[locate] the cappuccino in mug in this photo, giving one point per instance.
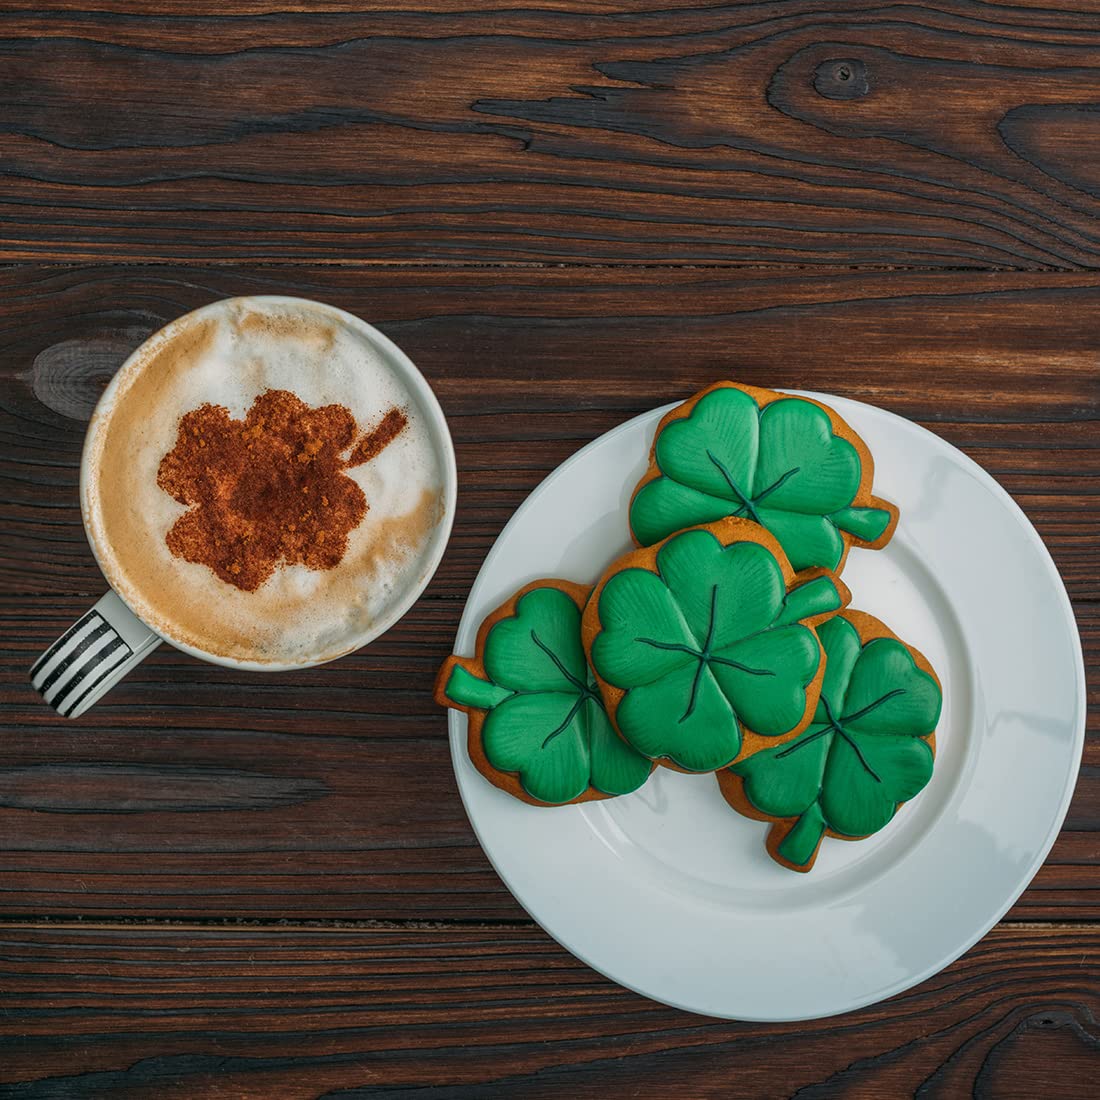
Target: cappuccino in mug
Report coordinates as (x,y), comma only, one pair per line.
(262,486)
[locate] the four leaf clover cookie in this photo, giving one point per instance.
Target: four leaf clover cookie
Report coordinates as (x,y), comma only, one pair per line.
(704,645)
(537,725)
(869,749)
(788,463)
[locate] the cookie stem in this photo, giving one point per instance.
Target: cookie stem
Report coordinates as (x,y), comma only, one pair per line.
(867,524)
(800,844)
(467,690)
(816,597)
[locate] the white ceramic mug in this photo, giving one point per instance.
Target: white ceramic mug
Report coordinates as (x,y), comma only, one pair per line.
(111,639)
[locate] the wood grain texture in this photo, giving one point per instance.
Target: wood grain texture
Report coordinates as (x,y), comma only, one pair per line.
(783,132)
(326,794)
(505,1013)
(329,793)
(898,203)
(532,364)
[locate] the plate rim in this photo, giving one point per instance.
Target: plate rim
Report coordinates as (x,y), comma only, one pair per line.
(457,734)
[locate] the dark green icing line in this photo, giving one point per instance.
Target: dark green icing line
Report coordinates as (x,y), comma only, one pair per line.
(864,711)
(566,722)
(704,656)
(578,684)
(747,507)
(838,727)
(811,735)
(777,484)
(749,503)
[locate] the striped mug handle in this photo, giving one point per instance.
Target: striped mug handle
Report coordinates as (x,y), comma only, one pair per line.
(92,656)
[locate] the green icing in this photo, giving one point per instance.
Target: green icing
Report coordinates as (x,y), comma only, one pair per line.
(864,753)
(781,466)
(544,716)
(800,844)
(866,524)
(466,688)
(710,642)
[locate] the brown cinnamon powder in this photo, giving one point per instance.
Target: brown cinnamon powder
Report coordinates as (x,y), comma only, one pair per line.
(375,442)
(269,488)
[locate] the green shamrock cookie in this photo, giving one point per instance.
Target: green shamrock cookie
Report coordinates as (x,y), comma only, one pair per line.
(869,749)
(784,462)
(704,646)
(537,725)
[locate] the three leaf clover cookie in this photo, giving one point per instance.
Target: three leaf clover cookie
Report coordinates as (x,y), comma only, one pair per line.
(704,647)
(537,724)
(869,748)
(788,463)
(721,644)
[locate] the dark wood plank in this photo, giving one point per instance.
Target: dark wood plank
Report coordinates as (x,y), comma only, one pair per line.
(199,792)
(130,1012)
(532,364)
(931,134)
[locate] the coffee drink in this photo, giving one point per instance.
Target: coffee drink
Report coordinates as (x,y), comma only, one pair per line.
(263,483)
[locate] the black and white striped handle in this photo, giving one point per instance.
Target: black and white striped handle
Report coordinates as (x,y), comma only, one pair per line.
(92,656)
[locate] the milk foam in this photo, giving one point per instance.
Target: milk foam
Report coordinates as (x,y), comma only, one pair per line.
(228,355)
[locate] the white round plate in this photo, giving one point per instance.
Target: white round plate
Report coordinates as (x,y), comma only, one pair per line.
(669,892)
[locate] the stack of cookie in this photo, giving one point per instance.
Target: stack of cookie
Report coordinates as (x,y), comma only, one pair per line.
(724,643)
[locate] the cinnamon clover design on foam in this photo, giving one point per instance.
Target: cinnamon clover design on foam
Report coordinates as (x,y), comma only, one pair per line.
(270,488)
(537,725)
(788,463)
(869,748)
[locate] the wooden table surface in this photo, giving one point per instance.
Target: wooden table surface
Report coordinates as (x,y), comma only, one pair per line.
(567,213)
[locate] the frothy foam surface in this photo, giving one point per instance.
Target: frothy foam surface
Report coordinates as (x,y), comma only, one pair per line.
(228,356)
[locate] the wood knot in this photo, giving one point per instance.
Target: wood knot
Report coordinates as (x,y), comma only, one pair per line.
(842,78)
(69,376)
